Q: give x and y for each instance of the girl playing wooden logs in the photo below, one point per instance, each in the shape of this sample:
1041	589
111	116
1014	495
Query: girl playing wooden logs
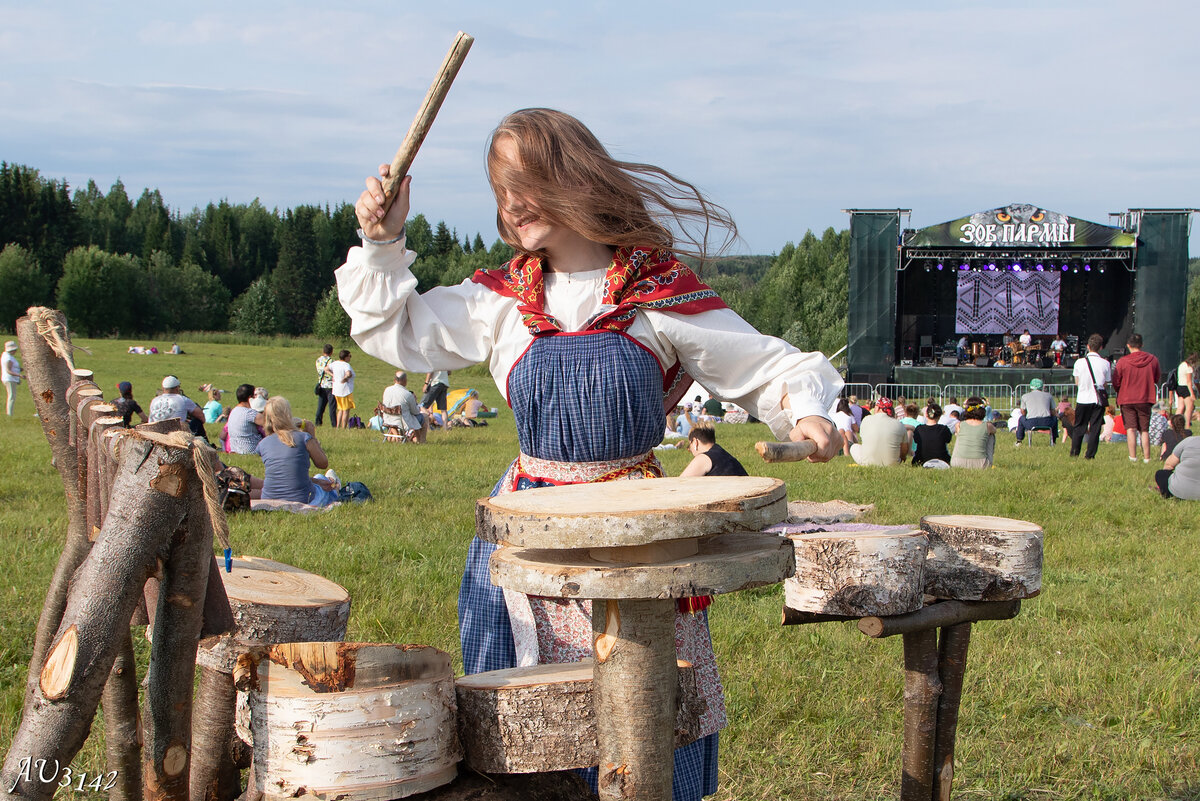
594	312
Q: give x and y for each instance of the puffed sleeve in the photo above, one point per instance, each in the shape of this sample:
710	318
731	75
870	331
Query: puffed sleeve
447	328
734	362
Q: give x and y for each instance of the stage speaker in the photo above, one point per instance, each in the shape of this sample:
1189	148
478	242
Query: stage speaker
1069	361
949	361
981	361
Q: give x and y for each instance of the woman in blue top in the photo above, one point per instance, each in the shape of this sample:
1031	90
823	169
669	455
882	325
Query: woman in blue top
286	453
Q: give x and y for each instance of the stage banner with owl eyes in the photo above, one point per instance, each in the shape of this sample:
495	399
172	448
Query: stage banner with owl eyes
1021	225
1004	302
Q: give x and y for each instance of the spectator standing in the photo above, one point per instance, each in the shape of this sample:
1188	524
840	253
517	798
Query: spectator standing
126	406
324	388
10	372
174	405
437	383
1185	387
1091	373
343	387
1136	380
709	458
242	430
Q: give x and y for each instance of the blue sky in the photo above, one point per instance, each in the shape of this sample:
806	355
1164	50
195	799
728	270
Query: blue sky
785	113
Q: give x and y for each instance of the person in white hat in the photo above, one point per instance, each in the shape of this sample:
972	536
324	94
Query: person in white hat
172	404
10	371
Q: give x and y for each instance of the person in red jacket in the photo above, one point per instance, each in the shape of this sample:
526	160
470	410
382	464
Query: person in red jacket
1136	379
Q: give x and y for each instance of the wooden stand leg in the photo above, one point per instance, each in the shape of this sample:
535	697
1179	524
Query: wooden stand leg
952	665
922	688
634	695
122	737
214	775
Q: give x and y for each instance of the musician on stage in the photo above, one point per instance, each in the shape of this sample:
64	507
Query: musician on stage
1058	347
962	349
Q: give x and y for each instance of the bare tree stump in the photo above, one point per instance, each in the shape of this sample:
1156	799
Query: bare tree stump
857	574
357	721
540	719
101	601
981	558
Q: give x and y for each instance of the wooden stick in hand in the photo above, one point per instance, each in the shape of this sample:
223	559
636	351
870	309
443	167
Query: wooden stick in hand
429	109
786	451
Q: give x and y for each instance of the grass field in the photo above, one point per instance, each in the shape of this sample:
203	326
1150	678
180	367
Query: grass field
1091	693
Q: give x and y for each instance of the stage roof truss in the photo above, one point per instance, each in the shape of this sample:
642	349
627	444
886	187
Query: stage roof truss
953	257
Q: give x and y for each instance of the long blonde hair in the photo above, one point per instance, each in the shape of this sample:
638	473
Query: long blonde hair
577	184
277	419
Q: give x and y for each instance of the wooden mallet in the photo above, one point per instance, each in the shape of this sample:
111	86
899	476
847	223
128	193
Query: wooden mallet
424	119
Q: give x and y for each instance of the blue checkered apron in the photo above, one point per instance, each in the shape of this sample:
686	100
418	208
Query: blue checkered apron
586	397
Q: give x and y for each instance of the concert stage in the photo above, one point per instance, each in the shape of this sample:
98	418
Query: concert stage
993	275
1015	377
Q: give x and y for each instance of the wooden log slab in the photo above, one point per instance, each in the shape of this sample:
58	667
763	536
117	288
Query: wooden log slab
620	513
274	603
725	563
981	558
351	721
539	719
858	573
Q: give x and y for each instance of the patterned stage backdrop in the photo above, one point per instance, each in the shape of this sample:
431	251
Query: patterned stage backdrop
1000	302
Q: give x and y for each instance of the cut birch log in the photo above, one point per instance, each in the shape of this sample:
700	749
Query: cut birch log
271	602
858	573
539	719
276	603
558	786
725	563
101	601
631	512
351	721
938	615
981	558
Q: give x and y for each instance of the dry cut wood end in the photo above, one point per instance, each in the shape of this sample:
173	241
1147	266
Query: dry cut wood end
175	760
60	666
171	479
268	583
605	643
723	493
985	522
327	667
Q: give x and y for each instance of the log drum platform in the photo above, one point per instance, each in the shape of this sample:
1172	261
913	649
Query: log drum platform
974	568
634	548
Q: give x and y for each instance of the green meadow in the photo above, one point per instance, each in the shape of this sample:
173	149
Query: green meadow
1092	692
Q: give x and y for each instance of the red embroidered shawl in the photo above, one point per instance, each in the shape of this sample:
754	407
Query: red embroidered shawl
636	278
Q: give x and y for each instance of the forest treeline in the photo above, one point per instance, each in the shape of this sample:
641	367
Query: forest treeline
123	267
